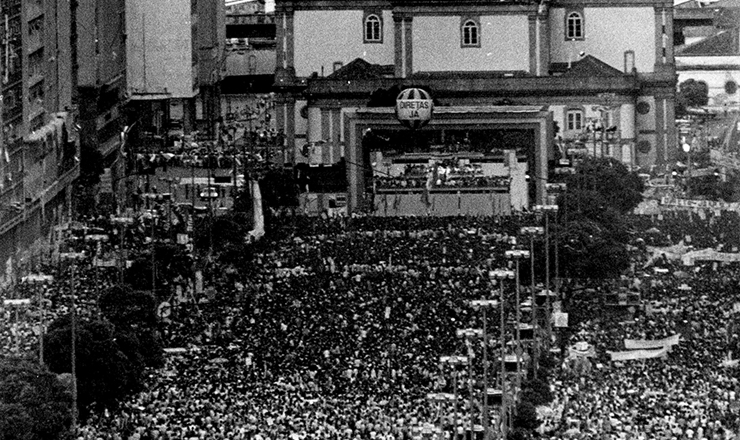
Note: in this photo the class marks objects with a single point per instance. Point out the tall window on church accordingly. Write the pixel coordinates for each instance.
(574, 26)
(373, 29)
(470, 34)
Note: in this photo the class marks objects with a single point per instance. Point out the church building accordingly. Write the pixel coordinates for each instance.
(520, 88)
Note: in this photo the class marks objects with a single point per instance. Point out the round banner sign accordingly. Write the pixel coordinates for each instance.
(414, 108)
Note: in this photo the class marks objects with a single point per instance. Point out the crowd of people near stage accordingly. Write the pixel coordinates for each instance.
(336, 327)
(445, 175)
(395, 183)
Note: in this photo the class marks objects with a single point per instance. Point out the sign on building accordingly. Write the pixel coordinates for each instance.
(414, 108)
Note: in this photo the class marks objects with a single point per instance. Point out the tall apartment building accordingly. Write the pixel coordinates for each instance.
(100, 70)
(500, 73)
(38, 147)
(174, 48)
(211, 42)
(249, 64)
(145, 69)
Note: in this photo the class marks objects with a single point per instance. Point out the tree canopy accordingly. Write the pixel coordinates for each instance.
(691, 93)
(171, 262)
(110, 362)
(34, 403)
(592, 227)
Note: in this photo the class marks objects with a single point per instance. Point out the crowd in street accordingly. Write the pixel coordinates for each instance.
(690, 394)
(336, 327)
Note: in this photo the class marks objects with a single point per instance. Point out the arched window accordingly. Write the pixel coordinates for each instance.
(574, 26)
(470, 34)
(373, 29)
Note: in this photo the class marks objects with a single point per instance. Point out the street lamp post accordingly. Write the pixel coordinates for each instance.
(169, 181)
(454, 361)
(533, 231)
(517, 255)
(73, 256)
(546, 210)
(154, 270)
(560, 187)
(501, 275)
(687, 149)
(470, 334)
(37, 279)
(484, 304)
(98, 239)
(123, 223)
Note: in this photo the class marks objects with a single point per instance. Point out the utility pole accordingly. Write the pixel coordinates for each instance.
(517, 255)
(532, 231)
(501, 275)
(37, 279)
(483, 304)
(73, 256)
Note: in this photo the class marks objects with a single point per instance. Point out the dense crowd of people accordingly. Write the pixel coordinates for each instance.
(471, 181)
(336, 327)
(446, 175)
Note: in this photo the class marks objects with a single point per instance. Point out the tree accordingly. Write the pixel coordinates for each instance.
(109, 364)
(133, 313)
(34, 403)
(592, 227)
(519, 434)
(171, 262)
(125, 307)
(279, 189)
(537, 392)
(226, 229)
(611, 182)
(691, 93)
(526, 416)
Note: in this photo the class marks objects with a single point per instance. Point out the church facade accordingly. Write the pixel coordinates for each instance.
(517, 87)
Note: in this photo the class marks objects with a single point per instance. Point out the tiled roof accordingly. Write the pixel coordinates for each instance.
(361, 69)
(586, 66)
(723, 43)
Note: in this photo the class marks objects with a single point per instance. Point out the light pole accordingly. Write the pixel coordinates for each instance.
(687, 149)
(501, 275)
(455, 362)
(439, 399)
(96, 262)
(73, 256)
(484, 304)
(37, 279)
(517, 255)
(169, 181)
(123, 223)
(124, 139)
(470, 334)
(559, 187)
(531, 232)
(546, 210)
(152, 249)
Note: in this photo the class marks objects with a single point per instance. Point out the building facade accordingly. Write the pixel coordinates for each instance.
(39, 146)
(101, 86)
(603, 71)
(162, 65)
